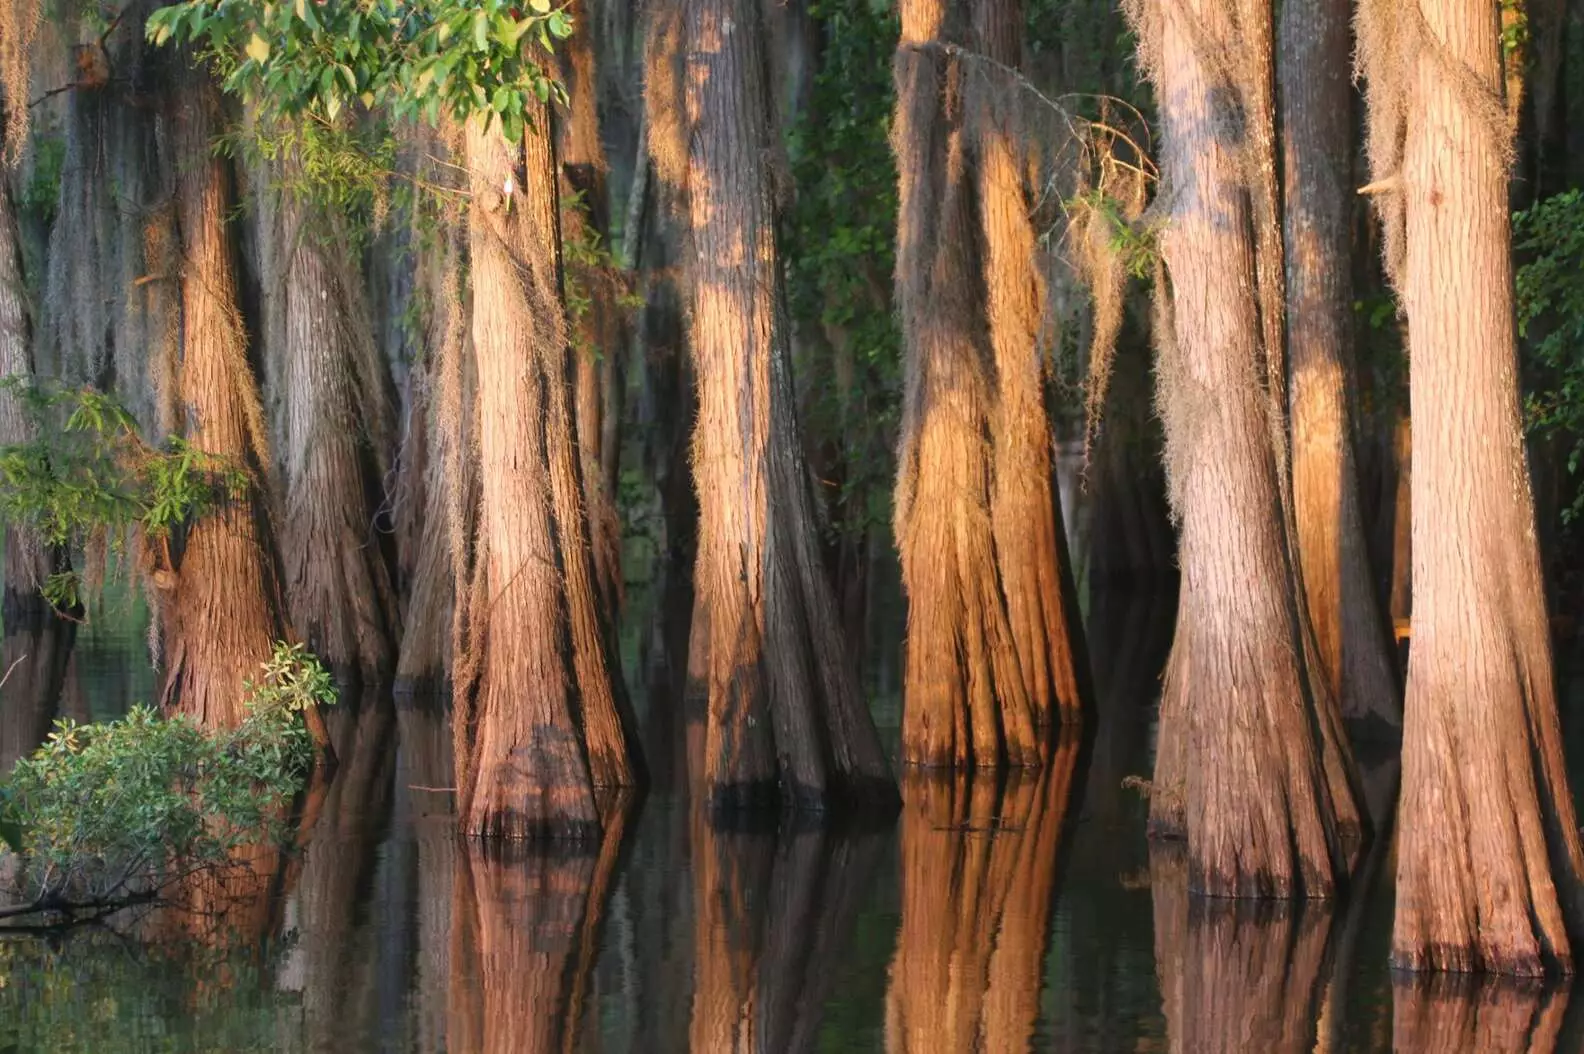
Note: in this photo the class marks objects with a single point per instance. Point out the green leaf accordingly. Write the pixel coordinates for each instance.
(258, 49)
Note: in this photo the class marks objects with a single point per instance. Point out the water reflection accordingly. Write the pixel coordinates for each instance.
(1494, 1015)
(525, 929)
(978, 875)
(1235, 975)
(1025, 914)
(773, 919)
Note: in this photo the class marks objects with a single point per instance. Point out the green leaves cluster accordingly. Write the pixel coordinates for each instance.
(1550, 306)
(841, 235)
(318, 57)
(88, 474)
(104, 814)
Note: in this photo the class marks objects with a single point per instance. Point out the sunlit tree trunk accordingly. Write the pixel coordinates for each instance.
(786, 719)
(1489, 865)
(542, 715)
(1316, 111)
(219, 602)
(1243, 770)
(993, 649)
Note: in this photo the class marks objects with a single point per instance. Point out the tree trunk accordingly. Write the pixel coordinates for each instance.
(440, 388)
(1488, 856)
(338, 579)
(541, 714)
(1316, 104)
(993, 655)
(218, 606)
(785, 713)
(599, 326)
(1249, 768)
(27, 562)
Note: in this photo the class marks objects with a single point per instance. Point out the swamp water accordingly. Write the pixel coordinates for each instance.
(1028, 915)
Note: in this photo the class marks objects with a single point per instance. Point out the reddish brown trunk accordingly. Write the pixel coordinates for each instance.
(219, 605)
(785, 713)
(1317, 101)
(1250, 769)
(1490, 874)
(541, 711)
(993, 648)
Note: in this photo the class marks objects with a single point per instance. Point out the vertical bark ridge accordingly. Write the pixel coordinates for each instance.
(542, 720)
(993, 655)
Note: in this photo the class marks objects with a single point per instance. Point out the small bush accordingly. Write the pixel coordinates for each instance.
(105, 815)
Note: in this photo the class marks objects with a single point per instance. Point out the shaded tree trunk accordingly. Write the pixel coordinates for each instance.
(218, 606)
(337, 432)
(1251, 769)
(541, 712)
(1490, 874)
(599, 331)
(786, 718)
(994, 653)
(27, 562)
(1316, 110)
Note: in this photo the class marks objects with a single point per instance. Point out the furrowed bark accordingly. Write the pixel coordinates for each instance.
(219, 605)
(1490, 873)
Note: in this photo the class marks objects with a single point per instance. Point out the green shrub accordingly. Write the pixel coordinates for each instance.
(105, 815)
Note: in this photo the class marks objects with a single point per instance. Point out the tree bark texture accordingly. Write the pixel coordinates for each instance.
(994, 652)
(219, 606)
(1316, 111)
(1490, 876)
(27, 563)
(1251, 769)
(338, 577)
(542, 716)
(785, 715)
(979, 866)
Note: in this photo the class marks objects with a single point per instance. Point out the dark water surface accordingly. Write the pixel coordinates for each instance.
(1028, 915)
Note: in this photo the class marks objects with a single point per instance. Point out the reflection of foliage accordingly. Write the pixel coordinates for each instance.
(841, 251)
(97, 993)
(1550, 293)
(105, 815)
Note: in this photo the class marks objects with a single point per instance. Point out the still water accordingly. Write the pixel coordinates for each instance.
(995, 918)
